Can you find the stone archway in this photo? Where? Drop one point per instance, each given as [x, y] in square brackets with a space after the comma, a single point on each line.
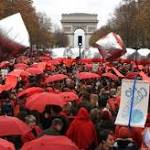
[75, 21]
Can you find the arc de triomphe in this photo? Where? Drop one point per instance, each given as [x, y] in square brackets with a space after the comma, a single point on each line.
[79, 27]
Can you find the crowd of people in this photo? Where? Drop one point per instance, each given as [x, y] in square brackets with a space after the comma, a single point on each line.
[87, 120]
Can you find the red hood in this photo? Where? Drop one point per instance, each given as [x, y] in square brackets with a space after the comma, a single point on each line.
[83, 114]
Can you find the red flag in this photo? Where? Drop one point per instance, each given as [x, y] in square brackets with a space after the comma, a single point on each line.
[111, 46]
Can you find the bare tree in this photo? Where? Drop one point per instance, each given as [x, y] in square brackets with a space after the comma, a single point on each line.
[60, 39]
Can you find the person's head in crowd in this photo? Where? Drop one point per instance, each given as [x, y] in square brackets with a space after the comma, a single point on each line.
[103, 101]
[7, 107]
[94, 115]
[32, 81]
[106, 140]
[4, 95]
[85, 95]
[13, 96]
[22, 114]
[72, 85]
[67, 108]
[30, 120]
[106, 91]
[118, 92]
[106, 115]
[89, 88]
[57, 124]
[68, 81]
[20, 89]
[104, 82]
[94, 100]
[112, 84]
[113, 92]
[98, 85]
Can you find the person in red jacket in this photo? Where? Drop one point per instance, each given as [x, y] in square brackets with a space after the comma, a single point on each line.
[82, 131]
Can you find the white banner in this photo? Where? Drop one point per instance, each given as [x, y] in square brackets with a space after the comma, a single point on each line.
[139, 102]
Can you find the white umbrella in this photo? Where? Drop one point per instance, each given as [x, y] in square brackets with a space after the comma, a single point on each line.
[14, 29]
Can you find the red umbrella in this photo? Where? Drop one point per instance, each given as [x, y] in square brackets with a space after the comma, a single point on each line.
[34, 70]
[69, 96]
[86, 60]
[4, 64]
[50, 66]
[5, 145]
[40, 100]
[110, 75]
[44, 58]
[11, 82]
[68, 62]
[87, 75]
[16, 72]
[30, 91]
[12, 126]
[89, 66]
[117, 72]
[40, 65]
[144, 76]
[23, 59]
[54, 61]
[56, 77]
[132, 75]
[21, 66]
[50, 143]
[25, 73]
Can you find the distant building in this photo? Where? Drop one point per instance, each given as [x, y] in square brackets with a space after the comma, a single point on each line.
[79, 27]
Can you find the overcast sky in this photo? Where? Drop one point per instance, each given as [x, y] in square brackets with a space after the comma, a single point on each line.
[54, 8]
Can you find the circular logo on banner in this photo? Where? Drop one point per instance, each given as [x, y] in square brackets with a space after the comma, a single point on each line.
[137, 116]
